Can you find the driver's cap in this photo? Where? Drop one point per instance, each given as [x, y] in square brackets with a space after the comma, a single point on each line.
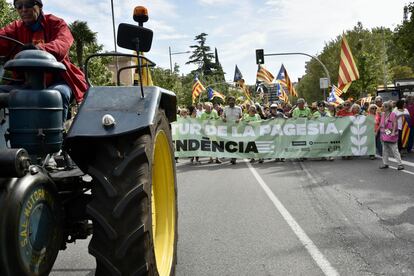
[37, 1]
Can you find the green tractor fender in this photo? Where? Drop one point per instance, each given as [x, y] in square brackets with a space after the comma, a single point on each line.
[130, 112]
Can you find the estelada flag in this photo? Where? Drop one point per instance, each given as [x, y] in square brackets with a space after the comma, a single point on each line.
[237, 75]
[333, 98]
[348, 71]
[218, 95]
[197, 88]
[283, 77]
[214, 94]
[281, 93]
[239, 81]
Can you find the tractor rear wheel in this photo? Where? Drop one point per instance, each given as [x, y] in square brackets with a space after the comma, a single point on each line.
[134, 203]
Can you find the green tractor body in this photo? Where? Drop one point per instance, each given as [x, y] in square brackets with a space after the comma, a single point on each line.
[114, 166]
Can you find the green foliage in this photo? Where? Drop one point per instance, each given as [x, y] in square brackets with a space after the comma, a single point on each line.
[401, 72]
[203, 58]
[7, 13]
[404, 37]
[98, 72]
[85, 44]
[370, 49]
[182, 85]
[83, 36]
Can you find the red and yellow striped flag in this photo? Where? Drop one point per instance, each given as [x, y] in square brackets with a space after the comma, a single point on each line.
[348, 71]
[264, 75]
[405, 132]
[337, 91]
[197, 89]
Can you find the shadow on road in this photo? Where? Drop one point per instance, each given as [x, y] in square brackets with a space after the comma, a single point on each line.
[406, 217]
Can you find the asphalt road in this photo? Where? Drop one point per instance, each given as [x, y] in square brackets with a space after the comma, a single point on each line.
[314, 217]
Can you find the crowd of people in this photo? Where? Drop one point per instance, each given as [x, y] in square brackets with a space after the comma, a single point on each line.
[388, 116]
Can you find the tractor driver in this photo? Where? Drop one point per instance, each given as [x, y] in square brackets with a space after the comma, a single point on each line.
[51, 34]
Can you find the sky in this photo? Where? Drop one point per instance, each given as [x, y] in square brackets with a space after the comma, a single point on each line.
[235, 27]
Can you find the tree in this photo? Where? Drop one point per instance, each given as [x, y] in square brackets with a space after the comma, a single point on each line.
[219, 69]
[98, 72]
[404, 38]
[371, 50]
[7, 13]
[83, 36]
[203, 57]
[85, 44]
[401, 72]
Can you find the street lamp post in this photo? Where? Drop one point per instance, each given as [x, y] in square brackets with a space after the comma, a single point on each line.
[113, 23]
[305, 54]
[114, 32]
[176, 53]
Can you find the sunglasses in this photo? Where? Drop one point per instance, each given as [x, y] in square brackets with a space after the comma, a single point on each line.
[26, 5]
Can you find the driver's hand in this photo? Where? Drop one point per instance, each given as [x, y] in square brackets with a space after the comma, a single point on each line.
[29, 46]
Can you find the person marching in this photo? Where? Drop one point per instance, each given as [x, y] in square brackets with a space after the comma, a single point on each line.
[210, 113]
[232, 113]
[389, 136]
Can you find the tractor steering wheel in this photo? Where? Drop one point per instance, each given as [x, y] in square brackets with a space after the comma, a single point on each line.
[9, 54]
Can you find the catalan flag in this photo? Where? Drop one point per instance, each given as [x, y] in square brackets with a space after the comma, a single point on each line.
[263, 75]
[337, 91]
[283, 77]
[197, 88]
[405, 130]
[348, 71]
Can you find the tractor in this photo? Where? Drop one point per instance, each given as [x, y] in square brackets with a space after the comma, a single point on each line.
[110, 174]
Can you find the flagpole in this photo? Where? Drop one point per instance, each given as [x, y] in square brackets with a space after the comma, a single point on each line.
[199, 96]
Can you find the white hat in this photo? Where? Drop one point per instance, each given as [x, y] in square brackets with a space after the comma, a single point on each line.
[273, 105]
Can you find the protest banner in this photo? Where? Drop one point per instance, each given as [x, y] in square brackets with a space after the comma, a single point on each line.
[277, 138]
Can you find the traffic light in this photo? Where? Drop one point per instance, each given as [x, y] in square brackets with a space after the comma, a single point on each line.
[259, 56]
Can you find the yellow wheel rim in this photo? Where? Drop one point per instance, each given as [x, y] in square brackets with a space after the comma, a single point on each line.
[163, 205]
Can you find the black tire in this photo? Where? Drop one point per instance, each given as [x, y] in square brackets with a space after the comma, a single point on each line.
[31, 232]
[122, 241]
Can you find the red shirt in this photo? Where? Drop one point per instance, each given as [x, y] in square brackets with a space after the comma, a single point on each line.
[344, 113]
[54, 37]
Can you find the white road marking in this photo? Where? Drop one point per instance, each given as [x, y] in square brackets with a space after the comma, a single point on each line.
[404, 171]
[407, 163]
[317, 256]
